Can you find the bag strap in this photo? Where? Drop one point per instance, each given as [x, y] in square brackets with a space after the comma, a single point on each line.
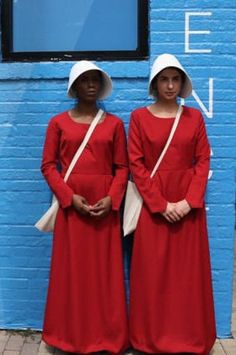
[175, 124]
[83, 144]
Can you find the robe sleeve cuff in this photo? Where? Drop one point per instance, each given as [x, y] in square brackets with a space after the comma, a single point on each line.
[66, 201]
[194, 203]
[115, 204]
[158, 208]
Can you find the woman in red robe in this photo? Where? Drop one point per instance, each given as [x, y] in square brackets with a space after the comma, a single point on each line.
[171, 301]
[86, 308]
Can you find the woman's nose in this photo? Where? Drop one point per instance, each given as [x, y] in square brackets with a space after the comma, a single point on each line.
[90, 82]
[170, 83]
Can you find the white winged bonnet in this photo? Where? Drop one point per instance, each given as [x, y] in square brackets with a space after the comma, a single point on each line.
[83, 66]
[162, 62]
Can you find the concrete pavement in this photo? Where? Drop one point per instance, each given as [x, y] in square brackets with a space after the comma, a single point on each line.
[29, 343]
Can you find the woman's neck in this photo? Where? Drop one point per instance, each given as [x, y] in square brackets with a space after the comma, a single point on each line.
[84, 112]
[168, 105]
[164, 109]
[84, 108]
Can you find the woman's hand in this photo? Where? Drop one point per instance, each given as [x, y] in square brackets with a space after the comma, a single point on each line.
[102, 208]
[176, 211]
[171, 214]
[80, 204]
[182, 207]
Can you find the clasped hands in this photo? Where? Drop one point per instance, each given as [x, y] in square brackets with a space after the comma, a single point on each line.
[99, 210]
[175, 211]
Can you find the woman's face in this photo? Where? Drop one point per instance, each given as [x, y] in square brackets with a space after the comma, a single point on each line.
[168, 84]
[88, 85]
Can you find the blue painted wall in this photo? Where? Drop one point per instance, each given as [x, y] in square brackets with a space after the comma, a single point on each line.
[30, 93]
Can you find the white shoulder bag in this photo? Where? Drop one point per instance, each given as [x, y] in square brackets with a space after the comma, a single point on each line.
[133, 199]
[47, 221]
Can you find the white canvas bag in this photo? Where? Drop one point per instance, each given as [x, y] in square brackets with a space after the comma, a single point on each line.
[133, 199]
[47, 221]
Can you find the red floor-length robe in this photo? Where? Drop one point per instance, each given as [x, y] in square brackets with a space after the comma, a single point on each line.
[86, 308]
[171, 303]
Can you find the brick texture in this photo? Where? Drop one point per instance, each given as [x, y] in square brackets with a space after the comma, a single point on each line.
[30, 93]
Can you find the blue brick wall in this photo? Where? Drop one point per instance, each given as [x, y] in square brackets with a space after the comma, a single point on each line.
[30, 93]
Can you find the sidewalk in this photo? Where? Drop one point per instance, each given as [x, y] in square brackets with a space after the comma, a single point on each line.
[22, 343]
[29, 342]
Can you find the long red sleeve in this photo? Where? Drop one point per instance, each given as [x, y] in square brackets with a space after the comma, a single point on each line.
[120, 167]
[49, 166]
[147, 186]
[196, 190]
